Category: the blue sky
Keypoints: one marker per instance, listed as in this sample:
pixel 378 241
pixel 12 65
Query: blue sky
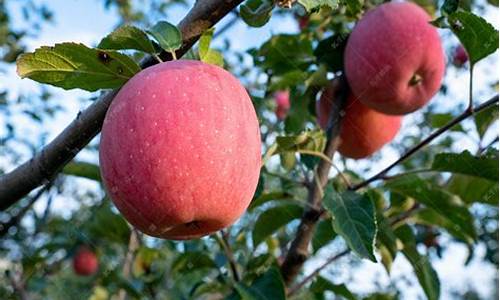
pixel 87 21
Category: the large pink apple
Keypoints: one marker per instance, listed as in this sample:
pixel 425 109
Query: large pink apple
pixel 363 130
pixel 282 99
pixel 85 262
pixel 394 61
pixel 180 150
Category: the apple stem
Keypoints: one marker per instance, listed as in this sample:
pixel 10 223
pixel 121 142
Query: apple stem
pixel 174 56
pixel 415 79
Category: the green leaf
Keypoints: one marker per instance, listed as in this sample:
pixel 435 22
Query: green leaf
pixel 143 260
pixel 190 261
pixel 71 65
pixel 307 143
pixel 484 119
pixel 387 241
pixel 311 5
pixel 440 120
pixel 432 218
pixel 268 286
pixel 321 285
pixel 314 141
pixel 83 169
pixel 204 43
pixel 287 80
pixel 109 226
pixel 323 234
pixel 353 219
pixel 479 37
pixel 206 54
pixel 449 6
pixel 330 51
pixel 264 198
pixel 354 7
pixel 127 37
pixel 167 35
pixel 256 13
pixel 273 219
pixel 426 275
pixel 485 166
pixel 206 290
pixel 434 197
pixel 474 189
pixel 288 160
pixel 284 53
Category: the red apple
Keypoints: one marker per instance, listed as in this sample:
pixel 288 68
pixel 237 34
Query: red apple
pixel 460 56
pixel 282 99
pixel 394 61
pixel 85 262
pixel 363 130
pixel 180 150
pixel 303 22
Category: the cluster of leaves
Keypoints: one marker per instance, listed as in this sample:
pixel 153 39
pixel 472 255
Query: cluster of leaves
pixel 434 191
pixel 72 65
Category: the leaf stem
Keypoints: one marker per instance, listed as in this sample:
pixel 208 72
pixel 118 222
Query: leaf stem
pixel 471 77
pixel 157 57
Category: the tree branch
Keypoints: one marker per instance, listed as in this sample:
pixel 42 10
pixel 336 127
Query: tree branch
pixel 298 252
pixel 467 113
pixel 49 161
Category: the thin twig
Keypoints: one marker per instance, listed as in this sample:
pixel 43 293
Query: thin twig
pixel 14 220
pixel 418 171
pixel 493 142
pixel 133 245
pixel 223 240
pixel 406 214
pixel 228 25
pixel 467 113
pixel 313 274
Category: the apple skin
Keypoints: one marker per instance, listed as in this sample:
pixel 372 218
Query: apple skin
pixel 460 56
pixel 303 22
pixel 85 262
pixel 394 60
pixel 363 130
pixel 282 99
pixel 180 150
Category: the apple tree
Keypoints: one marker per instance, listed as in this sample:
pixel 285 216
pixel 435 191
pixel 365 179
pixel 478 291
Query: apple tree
pixel 288 170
